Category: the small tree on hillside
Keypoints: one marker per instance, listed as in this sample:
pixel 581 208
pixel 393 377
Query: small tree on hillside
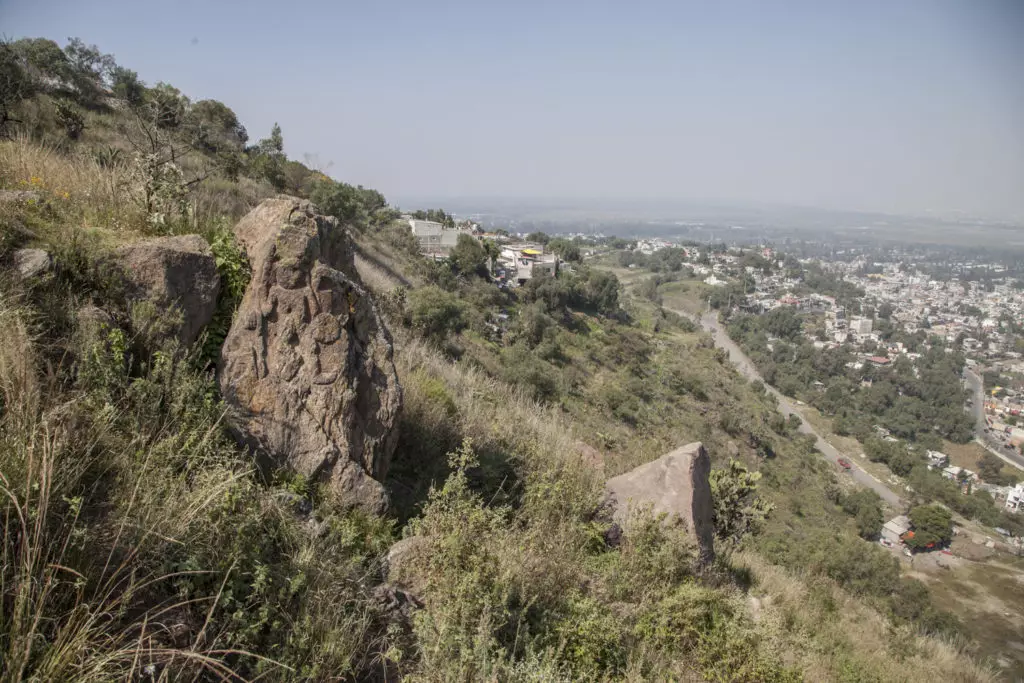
pixel 933 526
pixel 566 250
pixel 990 467
pixel 268 158
pixel 866 507
pixel 15 85
pixel 340 200
pixel 469 256
pixel 126 85
pixel 90 71
pixel 435 313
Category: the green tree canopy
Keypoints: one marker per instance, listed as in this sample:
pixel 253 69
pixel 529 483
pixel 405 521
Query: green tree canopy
pixel 866 507
pixel 126 85
pixel 341 200
pixel 597 290
pixel 469 256
pixel 434 312
pixel 566 250
pixel 932 526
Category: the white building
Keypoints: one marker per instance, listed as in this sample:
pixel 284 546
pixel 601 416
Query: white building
pixel 937 459
pixel 861 325
pixel 953 473
pixel 894 528
pixel 524 262
pixel 1015 498
pixel 434 238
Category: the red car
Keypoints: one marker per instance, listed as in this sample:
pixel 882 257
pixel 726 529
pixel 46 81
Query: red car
pixel 844 463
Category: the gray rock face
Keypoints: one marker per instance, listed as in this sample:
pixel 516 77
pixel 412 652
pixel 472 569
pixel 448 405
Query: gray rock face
pixel 32 263
pixel 677 484
pixel 176 272
pixel 307 366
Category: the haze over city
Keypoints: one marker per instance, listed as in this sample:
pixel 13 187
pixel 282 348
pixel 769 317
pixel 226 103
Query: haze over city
pixel 902 107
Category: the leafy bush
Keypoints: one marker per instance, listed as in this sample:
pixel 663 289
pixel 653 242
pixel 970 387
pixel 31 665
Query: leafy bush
pixel 469 256
pixel 527 370
pixel 866 507
pixel 435 313
pixel 235 273
pixel 341 200
pixel 738 509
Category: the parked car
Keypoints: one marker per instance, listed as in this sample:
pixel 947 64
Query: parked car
pixel 844 463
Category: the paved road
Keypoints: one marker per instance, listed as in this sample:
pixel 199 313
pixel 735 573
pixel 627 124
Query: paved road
pixel 976 385
pixel 787 406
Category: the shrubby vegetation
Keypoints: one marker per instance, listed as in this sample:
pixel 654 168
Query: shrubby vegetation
pixel 912 400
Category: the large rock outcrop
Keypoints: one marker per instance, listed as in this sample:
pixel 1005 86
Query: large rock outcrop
pixel 173 272
pixel 307 366
pixel 676 484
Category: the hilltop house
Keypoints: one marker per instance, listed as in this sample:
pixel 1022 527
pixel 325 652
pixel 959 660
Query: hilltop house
pixel 894 529
pixel 1015 498
pixel 435 239
pixel 937 459
pixel 524 262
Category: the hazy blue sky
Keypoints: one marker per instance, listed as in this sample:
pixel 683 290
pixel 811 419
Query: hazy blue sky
pixel 893 105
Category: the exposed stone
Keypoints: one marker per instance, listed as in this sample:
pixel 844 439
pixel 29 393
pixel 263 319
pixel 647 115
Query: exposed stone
pixel 20 196
pixel 32 263
pixel 92 318
pixel 307 366
pixel 400 556
pixel 677 484
pixel 173 272
pixel 395 601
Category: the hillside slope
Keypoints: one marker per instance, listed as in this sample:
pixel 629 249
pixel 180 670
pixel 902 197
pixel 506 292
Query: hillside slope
pixel 140 541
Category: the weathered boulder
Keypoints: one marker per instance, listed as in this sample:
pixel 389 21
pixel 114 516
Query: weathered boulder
pixel 307 366
pixel 401 555
pixel 677 484
pixel 32 263
pixel 173 272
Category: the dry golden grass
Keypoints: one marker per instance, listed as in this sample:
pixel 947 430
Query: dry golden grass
pixel 376 278
pixel 76 189
pixel 92 626
pixel 828 632
pixel 490 410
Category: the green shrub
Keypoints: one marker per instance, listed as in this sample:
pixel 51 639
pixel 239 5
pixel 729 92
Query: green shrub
pixel 435 313
pixel 235 273
pixel 592 640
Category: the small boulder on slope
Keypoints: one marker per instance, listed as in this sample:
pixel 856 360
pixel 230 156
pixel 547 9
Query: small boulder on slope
pixel 173 272
pixel 676 484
